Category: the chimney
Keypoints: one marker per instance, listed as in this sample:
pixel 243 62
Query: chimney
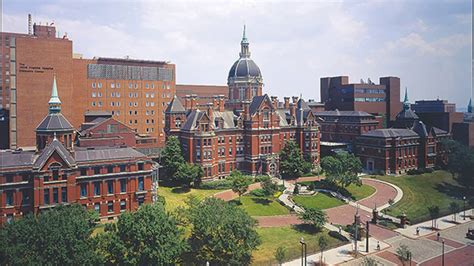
pixel 287 102
pixel 292 109
pixel 193 102
pixel 295 99
pixel 246 106
pixel 187 102
pixel 275 101
pixel 209 110
pixel 221 103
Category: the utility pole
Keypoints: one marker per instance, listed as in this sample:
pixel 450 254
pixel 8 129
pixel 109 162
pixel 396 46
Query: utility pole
pixel 367 237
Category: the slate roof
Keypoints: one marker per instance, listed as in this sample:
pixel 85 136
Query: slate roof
pixel 342 113
pixel 391 133
pixel 191 119
pixel 16 159
pixel 54 122
pixel 283 116
pixel 57 146
pixel 175 106
pixel 106 154
pixel 227 116
pixel 407 114
pixel 256 102
pixel 244 67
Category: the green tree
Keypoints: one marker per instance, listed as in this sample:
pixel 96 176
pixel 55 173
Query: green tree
pixel 434 213
pixel 343 169
pixel 460 162
pixel 171 158
pixel 60 236
pixel 240 183
pixel 314 216
pixel 368 261
pixel 404 254
pixel 148 236
pixel 188 174
pixel 454 208
pixel 292 163
pixel 222 233
pixel 268 186
pixel 323 244
pixel 280 254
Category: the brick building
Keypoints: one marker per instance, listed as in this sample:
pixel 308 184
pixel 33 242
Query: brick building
pixel 109 180
pixel 135 91
pixel 381 99
pixel 203 93
pixel 438 113
pixel 396 150
pixel 464 131
pixel 248 131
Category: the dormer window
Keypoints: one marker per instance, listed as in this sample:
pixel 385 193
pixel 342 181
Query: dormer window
pixel 177 122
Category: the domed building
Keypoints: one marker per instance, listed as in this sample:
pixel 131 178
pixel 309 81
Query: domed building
pixel 245 79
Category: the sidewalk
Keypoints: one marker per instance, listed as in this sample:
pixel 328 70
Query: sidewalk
pixel 341 254
pixel 442 223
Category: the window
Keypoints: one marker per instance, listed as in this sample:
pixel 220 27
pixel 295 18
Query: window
pixel 123 185
pixel 122 168
pixel 46 196
pixel 123 205
pixel 55 195
pixel 93 84
pixel 97 207
pixel 99 85
pixel 110 187
pixel 110 169
pixel 25 197
pixel 140 166
pixel 141 184
pixel 110 206
pixel 96 188
pixel 83 171
pixel 64 194
pixel 9 201
pixel 94 94
pixel 55 174
pixel 96 170
pixel 83 190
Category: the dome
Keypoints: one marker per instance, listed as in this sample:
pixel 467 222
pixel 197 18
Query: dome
pixel 243 68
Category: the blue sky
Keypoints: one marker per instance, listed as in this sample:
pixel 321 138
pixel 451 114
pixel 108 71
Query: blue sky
pixel 425 43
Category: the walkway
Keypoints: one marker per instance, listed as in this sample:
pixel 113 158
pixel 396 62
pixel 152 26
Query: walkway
pixel 228 195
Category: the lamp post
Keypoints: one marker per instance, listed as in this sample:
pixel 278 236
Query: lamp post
pixel 303 252
pixel 464 207
pixel 442 256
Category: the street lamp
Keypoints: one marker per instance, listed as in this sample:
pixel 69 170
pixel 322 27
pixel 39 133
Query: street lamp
pixel 442 262
pixel 303 252
pixel 464 207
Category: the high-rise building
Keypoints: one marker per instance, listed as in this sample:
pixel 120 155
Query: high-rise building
pixel 381 99
pixel 136 92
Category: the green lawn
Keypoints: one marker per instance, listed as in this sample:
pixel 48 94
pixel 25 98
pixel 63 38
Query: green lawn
pixel 421 191
pixel 261 206
pixel 361 192
pixel 288 237
pixel 175 197
pixel 320 201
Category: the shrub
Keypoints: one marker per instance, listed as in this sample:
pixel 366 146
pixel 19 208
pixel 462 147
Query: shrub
pixel 218 184
pixel 258 192
pixel 260 178
pixel 281 188
pixel 336 235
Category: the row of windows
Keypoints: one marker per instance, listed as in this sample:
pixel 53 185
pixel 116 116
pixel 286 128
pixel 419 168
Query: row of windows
pixel 130 85
pixel 266 138
pixel 110 169
pixel 369 99
pixel 110 206
pixel 10 198
pixel 96 186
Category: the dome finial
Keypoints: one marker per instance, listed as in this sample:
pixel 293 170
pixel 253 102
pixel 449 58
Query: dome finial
pixel 54 101
pixel 406 104
pixel 244 45
pixel 244 37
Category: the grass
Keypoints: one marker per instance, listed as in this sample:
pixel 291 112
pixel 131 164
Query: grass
pixel 421 191
pixel 175 197
pixel 361 192
pixel 320 201
pixel 261 206
pixel 288 237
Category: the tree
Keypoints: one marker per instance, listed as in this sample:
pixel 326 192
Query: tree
pixel 314 216
pixel 323 244
pixel 343 169
pixel 454 208
pixel 404 254
pixel 296 190
pixel 460 162
pixel 222 233
pixel 240 183
pixel 171 158
pixel 148 236
pixel 268 186
pixel 60 236
pixel 368 261
pixel 292 163
pixel 434 213
pixel 280 254
pixel 188 174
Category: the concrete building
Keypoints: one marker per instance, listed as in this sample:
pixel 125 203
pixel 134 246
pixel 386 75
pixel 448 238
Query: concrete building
pixel 381 99
pixel 109 180
pixel 438 113
pixel 136 92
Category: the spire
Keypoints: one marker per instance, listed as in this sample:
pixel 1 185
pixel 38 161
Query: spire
pixel 244 45
pixel 406 104
pixel 54 102
pixel 469 106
